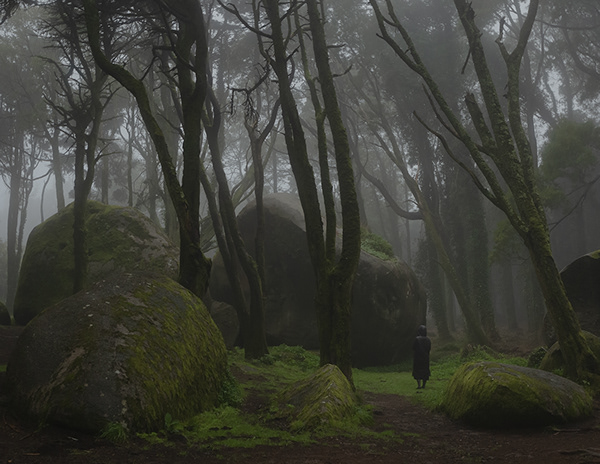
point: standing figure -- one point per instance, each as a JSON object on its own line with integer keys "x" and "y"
{"x": 421, "y": 349}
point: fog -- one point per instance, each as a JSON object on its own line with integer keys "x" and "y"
{"x": 409, "y": 162}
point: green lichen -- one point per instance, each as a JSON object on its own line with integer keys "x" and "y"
{"x": 164, "y": 387}
{"x": 118, "y": 239}
{"x": 491, "y": 394}
{"x": 323, "y": 398}
{"x": 139, "y": 347}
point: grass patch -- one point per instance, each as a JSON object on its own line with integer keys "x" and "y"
{"x": 282, "y": 366}
{"x": 2, "y": 367}
{"x": 228, "y": 427}
{"x": 398, "y": 379}
{"x": 233, "y": 426}
{"x": 115, "y": 432}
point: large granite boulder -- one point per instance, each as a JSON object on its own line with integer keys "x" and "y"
{"x": 582, "y": 283}
{"x": 323, "y": 398}
{"x": 490, "y": 394}
{"x": 118, "y": 239}
{"x": 123, "y": 353}
{"x": 388, "y": 300}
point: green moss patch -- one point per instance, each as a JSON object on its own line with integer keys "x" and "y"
{"x": 324, "y": 397}
{"x": 121, "y": 355}
{"x": 118, "y": 240}
{"x": 376, "y": 245}
{"x": 491, "y": 394}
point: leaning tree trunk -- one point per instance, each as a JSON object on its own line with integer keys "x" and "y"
{"x": 504, "y": 158}
{"x": 579, "y": 359}
{"x": 252, "y": 320}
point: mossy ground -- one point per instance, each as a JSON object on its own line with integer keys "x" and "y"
{"x": 244, "y": 430}
{"x": 263, "y": 379}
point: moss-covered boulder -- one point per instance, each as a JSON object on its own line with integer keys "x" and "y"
{"x": 4, "y": 315}
{"x": 118, "y": 240}
{"x": 388, "y": 301}
{"x": 489, "y": 394}
{"x": 127, "y": 351}
{"x": 553, "y": 359}
{"x": 581, "y": 278}
{"x": 323, "y": 398}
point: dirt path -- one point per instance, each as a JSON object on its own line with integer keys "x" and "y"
{"x": 428, "y": 438}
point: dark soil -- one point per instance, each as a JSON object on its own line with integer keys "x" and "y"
{"x": 429, "y": 438}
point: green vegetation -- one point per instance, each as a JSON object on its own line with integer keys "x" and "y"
{"x": 115, "y": 432}
{"x": 445, "y": 361}
{"x": 250, "y": 415}
{"x": 491, "y": 394}
{"x": 376, "y": 246}
{"x": 2, "y": 367}
{"x": 324, "y": 397}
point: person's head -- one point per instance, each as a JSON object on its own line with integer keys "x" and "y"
{"x": 422, "y": 331}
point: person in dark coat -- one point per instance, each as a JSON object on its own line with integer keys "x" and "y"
{"x": 421, "y": 349}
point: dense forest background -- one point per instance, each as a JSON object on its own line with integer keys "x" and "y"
{"x": 54, "y": 100}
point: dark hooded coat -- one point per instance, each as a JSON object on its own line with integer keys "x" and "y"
{"x": 421, "y": 349}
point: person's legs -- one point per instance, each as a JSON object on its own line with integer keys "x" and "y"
{"x": 424, "y": 382}
{"x": 419, "y": 384}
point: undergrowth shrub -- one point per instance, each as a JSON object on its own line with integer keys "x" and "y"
{"x": 231, "y": 394}
{"x": 376, "y": 245}
{"x": 536, "y": 356}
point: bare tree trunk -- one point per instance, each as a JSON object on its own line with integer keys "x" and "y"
{"x": 194, "y": 267}
{"x": 57, "y": 166}
{"x": 252, "y": 319}
{"x": 12, "y": 259}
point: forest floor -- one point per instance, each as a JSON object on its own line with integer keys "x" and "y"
{"x": 427, "y": 437}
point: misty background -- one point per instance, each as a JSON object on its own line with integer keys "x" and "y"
{"x": 43, "y": 80}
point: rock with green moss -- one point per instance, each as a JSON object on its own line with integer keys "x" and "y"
{"x": 388, "y": 301}
{"x": 581, "y": 279}
{"x": 553, "y": 360}
{"x": 4, "y": 315}
{"x": 118, "y": 240}
{"x": 490, "y": 394}
{"x": 323, "y": 398}
{"x": 127, "y": 351}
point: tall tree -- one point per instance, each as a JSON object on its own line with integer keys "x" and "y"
{"x": 85, "y": 93}
{"x": 334, "y": 273}
{"x": 502, "y": 141}
{"x": 426, "y": 198}
{"x": 185, "y": 50}
{"x": 191, "y": 62}
{"x": 21, "y": 149}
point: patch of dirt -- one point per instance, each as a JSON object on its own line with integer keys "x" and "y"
{"x": 428, "y": 438}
